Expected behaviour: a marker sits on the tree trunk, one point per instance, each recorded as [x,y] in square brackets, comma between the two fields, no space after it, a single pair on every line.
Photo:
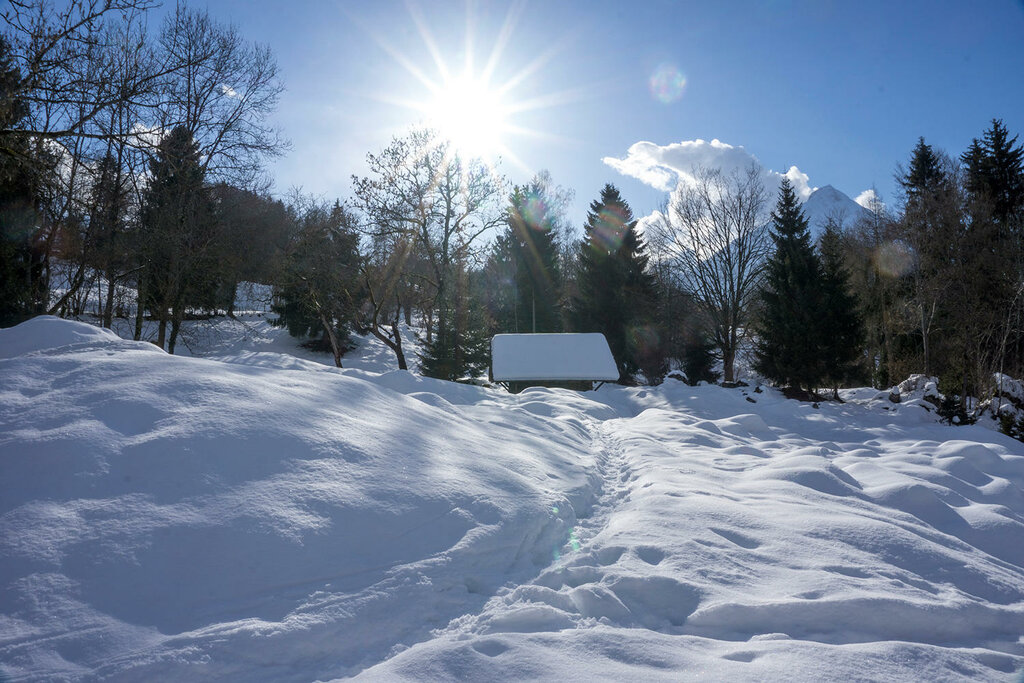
[890,369]
[99,295]
[399,353]
[161,335]
[73,286]
[140,307]
[108,309]
[333,338]
[728,361]
[177,313]
[175,328]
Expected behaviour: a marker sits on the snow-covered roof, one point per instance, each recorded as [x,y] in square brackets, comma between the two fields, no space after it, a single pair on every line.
[516,357]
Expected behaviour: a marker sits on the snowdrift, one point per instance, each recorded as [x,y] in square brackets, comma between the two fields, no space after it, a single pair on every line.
[169,518]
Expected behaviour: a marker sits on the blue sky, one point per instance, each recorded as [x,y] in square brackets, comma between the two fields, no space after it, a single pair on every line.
[841,90]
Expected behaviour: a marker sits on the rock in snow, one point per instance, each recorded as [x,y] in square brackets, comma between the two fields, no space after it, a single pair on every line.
[169,518]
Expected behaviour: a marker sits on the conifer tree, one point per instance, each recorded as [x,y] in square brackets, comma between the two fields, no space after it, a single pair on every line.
[995,171]
[615,292]
[22,283]
[789,345]
[925,175]
[110,205]
[317,283]
[841,325]
[534,251]
[463,348]
[929,225]
[178,221]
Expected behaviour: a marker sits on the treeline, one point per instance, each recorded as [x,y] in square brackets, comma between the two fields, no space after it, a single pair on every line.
[132,154]
[933,285]
[132,157]
[439,242]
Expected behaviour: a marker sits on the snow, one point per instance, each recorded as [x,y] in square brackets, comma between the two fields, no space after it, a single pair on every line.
[263,517]
[552,357]
[828,202]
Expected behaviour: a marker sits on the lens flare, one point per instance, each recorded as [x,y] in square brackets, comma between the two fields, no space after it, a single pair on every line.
[894,258]
[667,83]
[609,230]
[534,212]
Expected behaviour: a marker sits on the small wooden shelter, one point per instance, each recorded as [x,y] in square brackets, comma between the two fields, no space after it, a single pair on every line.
[570,360]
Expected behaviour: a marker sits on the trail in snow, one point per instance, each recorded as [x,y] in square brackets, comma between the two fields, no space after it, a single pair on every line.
[273,519]
[734,548]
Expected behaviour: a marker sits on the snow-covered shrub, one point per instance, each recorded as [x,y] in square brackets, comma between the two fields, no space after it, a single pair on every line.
[1005,405]
[924,390]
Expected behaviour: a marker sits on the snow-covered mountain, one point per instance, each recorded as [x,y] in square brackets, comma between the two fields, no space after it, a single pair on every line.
[828,202]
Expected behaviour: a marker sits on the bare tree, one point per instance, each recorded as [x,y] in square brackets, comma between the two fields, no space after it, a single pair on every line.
[383,270]
[221,89]
[423,193]
[716,235]
[60,50]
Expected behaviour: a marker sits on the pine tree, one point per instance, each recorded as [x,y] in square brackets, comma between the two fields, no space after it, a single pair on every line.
[532,236]
[178,221]
[789,344]
[842,328]
[22,283]
[616,294]
[995,170]
[463,348]
[929,226]
[317,282]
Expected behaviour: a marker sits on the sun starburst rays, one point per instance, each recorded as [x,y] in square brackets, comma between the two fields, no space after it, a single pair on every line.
[470,107]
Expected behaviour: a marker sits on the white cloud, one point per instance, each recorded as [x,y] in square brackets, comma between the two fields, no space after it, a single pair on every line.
[654,218]
[665,167]
[869,199]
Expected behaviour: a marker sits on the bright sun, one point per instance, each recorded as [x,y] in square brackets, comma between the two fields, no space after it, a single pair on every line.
[469,107]
[468,112]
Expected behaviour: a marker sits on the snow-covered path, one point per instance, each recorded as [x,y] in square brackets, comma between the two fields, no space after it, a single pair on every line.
[731,549]
[273,519]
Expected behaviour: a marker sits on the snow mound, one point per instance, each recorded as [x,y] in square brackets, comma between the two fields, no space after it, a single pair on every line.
[48,333]
[187,511]
[269,519]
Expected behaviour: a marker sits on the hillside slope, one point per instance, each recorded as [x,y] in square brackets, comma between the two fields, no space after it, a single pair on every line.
[269,518]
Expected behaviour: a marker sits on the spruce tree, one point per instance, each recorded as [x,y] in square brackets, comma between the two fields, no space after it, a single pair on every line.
[789,344]
[178,221]
[842,327]
[995,171]
[22,261]
[532,223]
[925,175]
[462,349]
[616,293]
[318,280]
[929,226]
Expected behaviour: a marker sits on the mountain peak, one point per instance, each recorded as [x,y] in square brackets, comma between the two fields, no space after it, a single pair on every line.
[828,202]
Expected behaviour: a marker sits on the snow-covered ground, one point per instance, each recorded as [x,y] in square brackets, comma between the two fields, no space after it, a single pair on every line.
[257,515]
